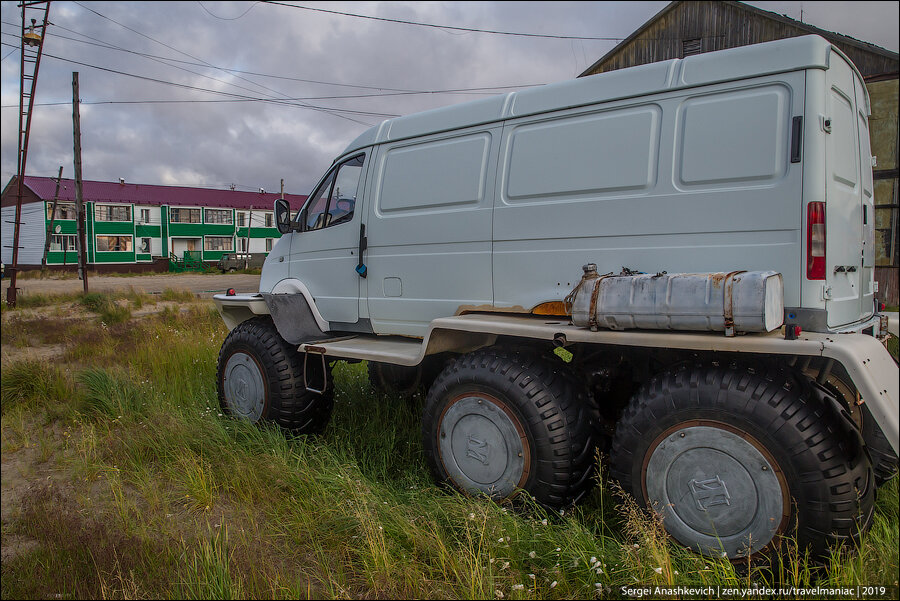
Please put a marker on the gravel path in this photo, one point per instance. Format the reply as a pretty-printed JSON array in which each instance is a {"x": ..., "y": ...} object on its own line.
[{"x": 204, "y": 285}]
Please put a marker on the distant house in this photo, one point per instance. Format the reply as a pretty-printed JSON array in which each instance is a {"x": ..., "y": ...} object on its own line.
[
  {"x": 692, "y": 27},
  {"x": 129, "y": 226}
]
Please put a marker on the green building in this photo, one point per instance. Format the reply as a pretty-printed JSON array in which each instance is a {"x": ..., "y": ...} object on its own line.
[{"x": 136, "y": 226}]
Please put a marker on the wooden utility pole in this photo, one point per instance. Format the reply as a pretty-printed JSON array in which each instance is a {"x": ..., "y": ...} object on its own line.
[
  {"x": 79, "y": 198},
  {"x": 50, "y": 225},
  {"x": 247, "y": 250}
]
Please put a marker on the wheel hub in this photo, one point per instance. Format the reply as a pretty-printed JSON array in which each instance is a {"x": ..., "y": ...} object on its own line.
[
  {"x": 244, "y": 387},
  {"x": 482, "y": 447},
  {"x": 716, "y": 490}
]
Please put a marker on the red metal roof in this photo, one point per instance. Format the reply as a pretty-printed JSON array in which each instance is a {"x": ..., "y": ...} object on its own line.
[{"x": 149, "y": 194}]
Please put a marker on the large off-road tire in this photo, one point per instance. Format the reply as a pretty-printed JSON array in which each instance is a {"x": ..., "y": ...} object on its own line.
[
  {"x": 499, "y": 421},
  {"x": 395, "y": 379},
  {"x": 884, "y": 459},
  {"x": 733, "y": 459},
  {"x": 260, "y": 377}
]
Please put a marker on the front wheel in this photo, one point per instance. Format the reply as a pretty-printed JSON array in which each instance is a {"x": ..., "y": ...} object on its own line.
[
  {"x": 733, "y": 460},
  {"x": 260, "y": 377},
  {"x": 499, "y": 421}
]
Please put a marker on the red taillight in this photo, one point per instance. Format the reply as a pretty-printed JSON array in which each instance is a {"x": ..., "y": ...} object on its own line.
[
  {"x": 815, "y": 241},
  {"x": 230, "y": 292}
]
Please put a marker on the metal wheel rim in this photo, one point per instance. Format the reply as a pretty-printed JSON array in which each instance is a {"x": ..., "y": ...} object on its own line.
[
  {"x": 244, "y": 387},
  {"x": 482, "y": 446},
  {"x": 717, "y": 489}
]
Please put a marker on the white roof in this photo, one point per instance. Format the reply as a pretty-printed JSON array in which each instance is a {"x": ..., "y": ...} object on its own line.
[{"x": 792, "y": 54}]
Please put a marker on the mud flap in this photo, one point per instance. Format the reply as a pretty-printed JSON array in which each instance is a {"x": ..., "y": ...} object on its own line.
[{"x": 294, "y": 318}]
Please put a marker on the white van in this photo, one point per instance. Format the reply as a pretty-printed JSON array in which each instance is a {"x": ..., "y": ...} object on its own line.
[{"x": 446, "y": 248}]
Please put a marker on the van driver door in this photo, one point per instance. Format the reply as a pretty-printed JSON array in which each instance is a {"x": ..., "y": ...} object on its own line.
[{"x": 324, "y": 254}]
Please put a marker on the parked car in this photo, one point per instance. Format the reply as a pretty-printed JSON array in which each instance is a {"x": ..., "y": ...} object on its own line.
[{"x": 235, "y": 261}]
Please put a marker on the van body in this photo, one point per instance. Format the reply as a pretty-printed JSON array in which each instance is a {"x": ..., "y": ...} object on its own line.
[
  {"x": 446, "y": 248},
  {"x": 753, "y": 158}
]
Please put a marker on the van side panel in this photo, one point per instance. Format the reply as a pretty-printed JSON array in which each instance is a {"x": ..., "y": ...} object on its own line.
[
  {"x": 689, "y": 181},
  {"x": 429, "y": 229}
]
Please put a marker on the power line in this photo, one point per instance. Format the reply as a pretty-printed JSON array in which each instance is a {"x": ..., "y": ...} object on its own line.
[
  {"x": 252, "y": 6},
  {"x": 432, "y": 25},
  {"x": 335, "y": 113},
  {"x": 286, "y": 101},
  {"x": 389, "y": 91},
  {"x": 102, "y": 44}
]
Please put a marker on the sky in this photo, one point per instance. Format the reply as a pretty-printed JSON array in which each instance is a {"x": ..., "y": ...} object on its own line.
[{"x": 214, "y": 94}]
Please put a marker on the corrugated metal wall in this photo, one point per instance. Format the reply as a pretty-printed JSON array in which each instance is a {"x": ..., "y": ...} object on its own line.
[{"x": 31, "y": 235}]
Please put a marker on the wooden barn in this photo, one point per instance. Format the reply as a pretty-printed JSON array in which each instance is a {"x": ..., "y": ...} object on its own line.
[{"x": 684, "y": 28}]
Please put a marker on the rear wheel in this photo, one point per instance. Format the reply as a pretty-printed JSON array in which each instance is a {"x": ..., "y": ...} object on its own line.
[
  {"x": 261, "y": 377},
  {"x": 499, "y": 421},
  {"x": 734, "y": 459}
]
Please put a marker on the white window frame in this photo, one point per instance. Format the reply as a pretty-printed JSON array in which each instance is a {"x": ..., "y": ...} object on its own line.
[
  {"x": 224, "y": 212},
  {"x": 144, "y": 219},
  {"x": 97, "y": 243},
  {"x": 56, "y": 246},
  {"x": 199, "y": 215},
  {"x": 61, "y": 205},
  {"x": 230, "y": 239},
  {"x": 270, "y": 243},
  {"x": 101, "y": 215}
]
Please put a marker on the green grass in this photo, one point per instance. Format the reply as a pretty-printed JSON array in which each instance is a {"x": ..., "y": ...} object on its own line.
[{"x": 156, "y": 494}]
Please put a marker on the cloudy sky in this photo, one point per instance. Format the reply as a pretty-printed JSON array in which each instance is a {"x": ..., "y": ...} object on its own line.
[{"x": 247, "y": 93}]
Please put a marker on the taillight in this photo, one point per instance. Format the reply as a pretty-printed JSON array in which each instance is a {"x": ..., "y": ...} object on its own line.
[{"x": 815, "y": 241}]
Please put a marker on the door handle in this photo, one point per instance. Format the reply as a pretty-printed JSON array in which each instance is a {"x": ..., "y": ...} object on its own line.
[{"x": 361, "y": 268}]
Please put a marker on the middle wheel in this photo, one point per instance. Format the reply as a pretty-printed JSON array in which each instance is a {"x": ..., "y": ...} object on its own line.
[{"x": 498, "y": 421}]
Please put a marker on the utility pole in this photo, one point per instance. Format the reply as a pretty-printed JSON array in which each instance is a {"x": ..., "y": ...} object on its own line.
[
  {"x": 31, "y": 48},
  {"x": 50, "y": 225},
  {"x": 247, "y": 250},
  {"x": 79, "y": 198}
]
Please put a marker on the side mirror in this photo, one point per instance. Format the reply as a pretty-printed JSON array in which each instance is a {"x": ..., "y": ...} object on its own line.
[{"x": 283, "y": 216}]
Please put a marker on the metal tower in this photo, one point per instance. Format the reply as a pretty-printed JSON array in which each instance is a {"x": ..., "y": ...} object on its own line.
[{"x": 32, "y": 46}]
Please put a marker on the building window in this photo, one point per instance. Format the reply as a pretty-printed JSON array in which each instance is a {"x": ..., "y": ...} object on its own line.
[
  {"x": 145, "y": 215},
  {"x": 269, "y": 243},
  {"x": 222, "y": 216},
  {"x": 269, "y": 220},
  {"x": 689, "y": 47},
  {"x": 242, "y": 243},
  {"x": 62, "y": 242},
  {"x": 113, "y": 243},
  {"x": 145, "y": 246},
  {"x": 184, "y": 215},
  {"x": 242, "y": 219},
  {"x": 63, "y": 211},
  {"x": 112, "y": 213},
  {"x": 218, "y": 243}
]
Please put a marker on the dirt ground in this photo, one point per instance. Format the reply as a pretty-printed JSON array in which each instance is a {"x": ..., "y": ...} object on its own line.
[{"x": 201, "y": 284}]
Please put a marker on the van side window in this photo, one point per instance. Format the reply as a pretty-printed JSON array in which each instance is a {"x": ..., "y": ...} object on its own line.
[{"x": 334, "y": 201}]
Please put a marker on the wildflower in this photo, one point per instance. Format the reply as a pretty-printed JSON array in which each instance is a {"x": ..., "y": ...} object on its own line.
[
  {"x": 518, "y": 587},
  {"x": 498, "y": 593},
  {"x": 593, "y": 561},
  {"x": 553, "y": 584},
  {"x": 531, "y": 576},
  {"x": 725, "y": 554},
  {"x": 657, "y": 570},
  {"x": 532, "y": 555},
  {"x": 544, "y": 522},
  {"x": 471, "y": 516}
]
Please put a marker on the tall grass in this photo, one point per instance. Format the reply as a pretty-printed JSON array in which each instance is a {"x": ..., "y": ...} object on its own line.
[{"x": 187, "y": 503}]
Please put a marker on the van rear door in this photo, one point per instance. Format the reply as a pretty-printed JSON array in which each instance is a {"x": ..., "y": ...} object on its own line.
[{"x": 849, "y": 268}]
